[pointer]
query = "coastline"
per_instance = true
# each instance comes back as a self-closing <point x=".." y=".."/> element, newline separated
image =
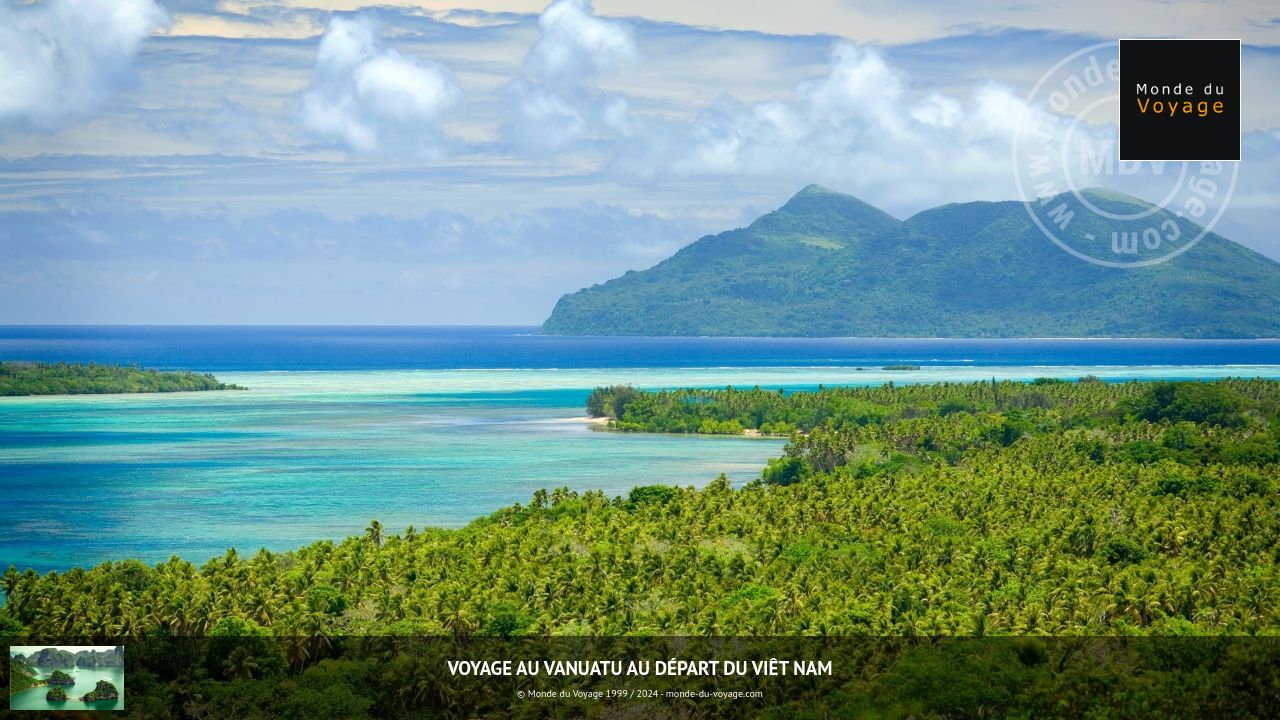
<point x="602" y="423"/>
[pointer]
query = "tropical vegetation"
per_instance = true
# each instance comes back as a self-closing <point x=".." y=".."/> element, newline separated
<point x="37" y="378"/>
<point x="830" y="265"/>
<point x="21" y="676"/>
<point x="989" y="508"/>
<point x="104" y="690"/>
<point x="1094" y="512"/>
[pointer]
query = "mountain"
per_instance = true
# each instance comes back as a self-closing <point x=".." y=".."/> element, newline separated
<point x="100" y="658"/>
<point x="51" y="657"/>
<point x="57" y="658"/>
<point x="828" y="265"/>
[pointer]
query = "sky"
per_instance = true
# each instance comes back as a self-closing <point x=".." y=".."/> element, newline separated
<point x="429" y="162"/>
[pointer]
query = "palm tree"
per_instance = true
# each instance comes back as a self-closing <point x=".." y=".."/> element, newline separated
<point x="374" y="533"/>
<point x="241" y="664"/>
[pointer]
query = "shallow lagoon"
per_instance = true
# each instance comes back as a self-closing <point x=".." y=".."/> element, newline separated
<point x="306" y="456"/>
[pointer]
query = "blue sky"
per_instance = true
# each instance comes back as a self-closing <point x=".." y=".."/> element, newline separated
<point x="316" y="161"/>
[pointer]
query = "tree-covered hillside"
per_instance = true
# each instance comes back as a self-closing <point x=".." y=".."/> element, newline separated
<point x="726" y="279"/>
<point x="829" y="265"/>
<point x="21" y="676"/>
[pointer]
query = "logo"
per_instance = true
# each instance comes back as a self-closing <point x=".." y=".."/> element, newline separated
<point x="1180" y="99"/>
<point x="1083" y="197"/>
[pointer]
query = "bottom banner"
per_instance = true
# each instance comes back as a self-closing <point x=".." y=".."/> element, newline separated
<point x="308" y="677"/>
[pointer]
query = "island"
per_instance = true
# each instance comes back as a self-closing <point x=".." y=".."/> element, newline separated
<point x="826" y="264"/>
<point x="100" y="658"/>
<point x="56" y="694"/>
<point x="57" y="677"/>
<point x="104" y="690"/>
<point x="50" y="657"/>
<point x="39" y="378"/>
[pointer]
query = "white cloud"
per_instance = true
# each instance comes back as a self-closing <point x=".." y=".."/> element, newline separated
<point x="373" y="100"/>
<point x="61" y="59"/>
<point x="860" y="127"/>
<point x="937" y="111"/>
<point x="556" y="104"/>
<point x="574" y="44"/>
<point x="859" y="86"/>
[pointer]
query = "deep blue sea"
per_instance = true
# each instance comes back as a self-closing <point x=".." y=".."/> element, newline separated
<point x="440" y="348"/>
<point x="423" y="426"/>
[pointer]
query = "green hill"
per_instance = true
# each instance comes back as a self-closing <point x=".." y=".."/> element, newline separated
<point x="827" y="264"/>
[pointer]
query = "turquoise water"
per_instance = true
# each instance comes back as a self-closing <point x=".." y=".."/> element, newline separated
<point x="86" y="680"/>
<point x="310" y="455"/>
<point x="305" y="456"/>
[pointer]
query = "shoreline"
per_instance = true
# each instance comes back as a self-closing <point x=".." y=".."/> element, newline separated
<point x="466" y="383"/>
<point x="603" y="423"/>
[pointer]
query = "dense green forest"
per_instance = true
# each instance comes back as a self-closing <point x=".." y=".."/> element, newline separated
<point x="36" y="378"/>
<point x="21" y="676"/>
<point x="829" y="265"/>
<point x="1089" y="511"/>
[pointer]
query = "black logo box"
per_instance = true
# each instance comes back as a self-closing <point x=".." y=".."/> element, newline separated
<point x="1184" y="64"/>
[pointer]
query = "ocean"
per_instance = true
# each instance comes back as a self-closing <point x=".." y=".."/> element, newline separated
<point x="423" y="426"/>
